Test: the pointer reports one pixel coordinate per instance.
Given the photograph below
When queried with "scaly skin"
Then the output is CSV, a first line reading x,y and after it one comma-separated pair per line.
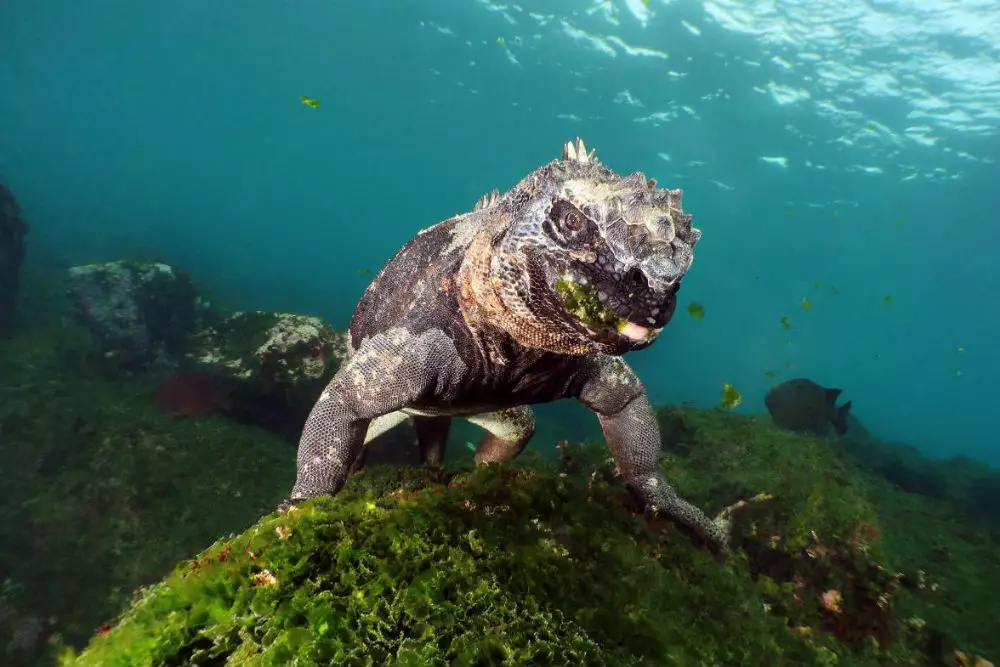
x,y
531,297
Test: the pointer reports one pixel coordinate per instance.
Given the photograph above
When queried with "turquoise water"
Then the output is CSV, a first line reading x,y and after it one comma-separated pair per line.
x,y
847,144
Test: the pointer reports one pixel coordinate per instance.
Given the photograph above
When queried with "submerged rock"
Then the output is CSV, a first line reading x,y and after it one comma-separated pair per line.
x,y
139,312
273,365
13,229
497,567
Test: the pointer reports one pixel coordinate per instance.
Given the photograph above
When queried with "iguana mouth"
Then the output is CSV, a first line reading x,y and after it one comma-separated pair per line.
x,y
581,302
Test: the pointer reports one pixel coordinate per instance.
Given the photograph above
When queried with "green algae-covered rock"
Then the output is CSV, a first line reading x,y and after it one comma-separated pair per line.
x,y
102,493
549,564
499,567
275,364
140,313
839,549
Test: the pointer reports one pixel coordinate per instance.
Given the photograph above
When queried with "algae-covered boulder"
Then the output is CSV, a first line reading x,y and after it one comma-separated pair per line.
x,y
13,229
139,312
274,364
550,562
499,567
838,549
811,537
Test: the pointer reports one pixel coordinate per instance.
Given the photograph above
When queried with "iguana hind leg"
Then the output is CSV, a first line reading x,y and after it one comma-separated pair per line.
x,y
377,427
432,436
507,432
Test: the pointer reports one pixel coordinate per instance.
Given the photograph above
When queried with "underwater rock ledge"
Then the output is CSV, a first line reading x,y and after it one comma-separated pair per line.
x,y
546,562
500,566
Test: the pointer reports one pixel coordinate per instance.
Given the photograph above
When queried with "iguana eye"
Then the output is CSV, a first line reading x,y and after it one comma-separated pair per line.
x,y
568,222
572,221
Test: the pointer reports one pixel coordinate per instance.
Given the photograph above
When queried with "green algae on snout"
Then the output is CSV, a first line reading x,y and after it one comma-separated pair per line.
x,y
581,301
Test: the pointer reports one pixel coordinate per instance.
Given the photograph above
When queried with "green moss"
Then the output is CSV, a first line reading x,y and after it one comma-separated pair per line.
x,y
832,525
102,493
231,348
236,337
502,566
581,301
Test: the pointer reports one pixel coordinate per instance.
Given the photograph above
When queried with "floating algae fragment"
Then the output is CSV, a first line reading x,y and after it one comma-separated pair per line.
x,y
310,102
730,396
581,301
816,284
785,322
887,298
806,304
501,41
770,375
696,310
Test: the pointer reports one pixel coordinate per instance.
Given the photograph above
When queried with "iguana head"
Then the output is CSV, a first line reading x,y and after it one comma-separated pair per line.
x,y
588,260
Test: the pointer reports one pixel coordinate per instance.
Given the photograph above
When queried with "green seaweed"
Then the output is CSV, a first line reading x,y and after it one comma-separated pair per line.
x,y
501,566
581,302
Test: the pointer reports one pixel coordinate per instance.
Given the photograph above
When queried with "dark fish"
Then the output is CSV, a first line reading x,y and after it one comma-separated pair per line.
x,y
804,406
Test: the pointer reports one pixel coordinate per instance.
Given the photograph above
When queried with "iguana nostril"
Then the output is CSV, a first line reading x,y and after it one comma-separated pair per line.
x,y
635,279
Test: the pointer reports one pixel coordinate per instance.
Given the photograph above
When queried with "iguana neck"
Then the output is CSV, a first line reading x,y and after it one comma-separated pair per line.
x,y
480,298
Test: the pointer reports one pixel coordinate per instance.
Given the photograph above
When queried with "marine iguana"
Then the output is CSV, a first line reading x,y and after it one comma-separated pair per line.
x,y
531,297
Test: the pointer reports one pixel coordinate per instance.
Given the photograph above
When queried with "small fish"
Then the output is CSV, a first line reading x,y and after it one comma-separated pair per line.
x,y
817,284
730,396
804,406
364,272
310,102
960,349
959,373
785,322
834,289
770,375
501,41
696,310
806,304
788,364
887,298
789,211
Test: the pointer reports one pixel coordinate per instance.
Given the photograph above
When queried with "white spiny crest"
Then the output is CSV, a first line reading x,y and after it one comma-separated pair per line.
x,y
487,200
577,152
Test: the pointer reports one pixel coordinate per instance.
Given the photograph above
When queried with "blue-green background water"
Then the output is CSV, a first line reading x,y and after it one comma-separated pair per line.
x,y
843,143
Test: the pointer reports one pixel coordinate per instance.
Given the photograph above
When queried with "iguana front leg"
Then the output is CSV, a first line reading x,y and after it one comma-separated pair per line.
x,y
388,372
613,391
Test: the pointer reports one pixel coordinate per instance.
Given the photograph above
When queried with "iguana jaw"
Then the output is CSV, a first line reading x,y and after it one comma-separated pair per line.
x,y
580,302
